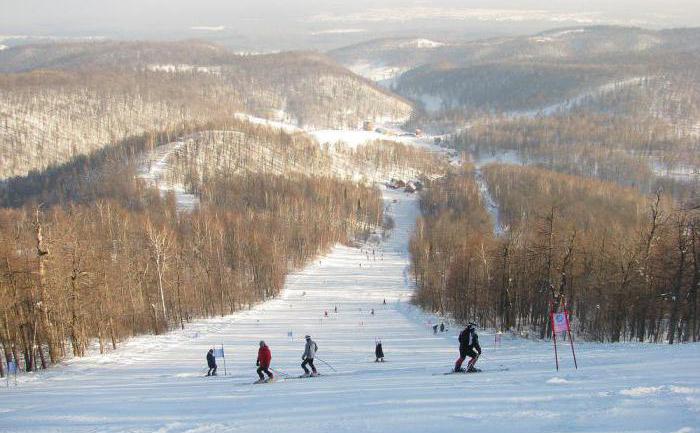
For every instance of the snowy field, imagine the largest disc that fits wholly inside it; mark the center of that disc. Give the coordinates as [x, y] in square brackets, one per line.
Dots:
[156, 384]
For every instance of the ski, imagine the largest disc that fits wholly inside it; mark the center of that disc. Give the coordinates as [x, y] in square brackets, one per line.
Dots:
[472, 372]
[303, 376]
[264, 381]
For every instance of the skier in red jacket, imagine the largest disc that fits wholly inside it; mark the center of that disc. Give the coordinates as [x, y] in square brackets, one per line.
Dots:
[263, 362]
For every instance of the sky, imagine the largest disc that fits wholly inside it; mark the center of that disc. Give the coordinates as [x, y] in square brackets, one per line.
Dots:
[284, 24]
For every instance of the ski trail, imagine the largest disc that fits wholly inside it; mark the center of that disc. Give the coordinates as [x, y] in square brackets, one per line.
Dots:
[570, 103]
[154, 170]
[155, 383]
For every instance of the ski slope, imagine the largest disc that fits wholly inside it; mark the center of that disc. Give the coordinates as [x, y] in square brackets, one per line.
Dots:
[155, 383]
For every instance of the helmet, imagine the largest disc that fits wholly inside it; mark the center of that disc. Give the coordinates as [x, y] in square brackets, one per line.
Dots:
[308, 337]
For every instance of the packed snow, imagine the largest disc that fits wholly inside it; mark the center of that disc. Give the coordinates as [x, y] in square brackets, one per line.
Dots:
[156, 383]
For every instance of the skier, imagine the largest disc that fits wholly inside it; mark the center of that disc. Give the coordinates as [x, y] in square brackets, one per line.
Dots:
[308, 357]
[379, 352]
[263, 363]
[435, 328]
[468, 346]
[336, 308]
[442, 327]
[372, 312]
[211, 362]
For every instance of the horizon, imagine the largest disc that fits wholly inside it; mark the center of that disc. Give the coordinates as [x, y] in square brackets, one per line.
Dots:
[300, 25]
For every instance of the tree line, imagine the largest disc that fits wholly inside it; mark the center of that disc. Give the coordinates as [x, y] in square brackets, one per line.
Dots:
[110, 270]
[628, 151]
[628, 265]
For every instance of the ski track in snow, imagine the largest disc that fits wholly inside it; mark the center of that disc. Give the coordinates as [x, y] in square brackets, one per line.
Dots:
[155, 383]
[154, 169]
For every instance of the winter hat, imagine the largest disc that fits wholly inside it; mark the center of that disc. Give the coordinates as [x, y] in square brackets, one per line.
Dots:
[262, 343]
[307, 337]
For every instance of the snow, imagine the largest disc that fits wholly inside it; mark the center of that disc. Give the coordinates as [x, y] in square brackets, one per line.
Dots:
[489, 203]
[172, 68]
[3, 47]
[431, 103]
[421, 43]
[153, 383]
[680, 172]
[208, 28]
[377, 71]
[284, 126]
[573, 102]
[154, 169]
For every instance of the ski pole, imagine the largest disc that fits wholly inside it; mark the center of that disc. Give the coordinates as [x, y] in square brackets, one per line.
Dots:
[331, 367]
[280, 372]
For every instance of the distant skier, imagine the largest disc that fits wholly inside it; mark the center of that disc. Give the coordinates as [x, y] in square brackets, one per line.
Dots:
[468, 346]
[336, 308]
[308, 357]
[442, 327]
[211, 362]
[263, 363]
[372, 312]
[379, 352]
[435, 328]
[384, 302]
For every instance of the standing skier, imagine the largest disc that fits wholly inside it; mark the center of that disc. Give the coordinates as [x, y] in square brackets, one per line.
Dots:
[263, 362]
[308, 357]
[379, 352]
[468, 346]
[211, 362]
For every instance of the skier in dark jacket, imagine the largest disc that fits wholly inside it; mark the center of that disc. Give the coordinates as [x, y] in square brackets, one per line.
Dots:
[263, 362]
[379, 352]
[468, 346]
[211, 362]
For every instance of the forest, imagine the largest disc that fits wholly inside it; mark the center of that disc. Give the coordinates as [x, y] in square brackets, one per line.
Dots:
[110, 269]
[643, 153]
[627, 265]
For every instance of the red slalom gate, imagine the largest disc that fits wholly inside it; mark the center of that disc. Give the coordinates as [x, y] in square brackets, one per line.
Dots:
[560, 323]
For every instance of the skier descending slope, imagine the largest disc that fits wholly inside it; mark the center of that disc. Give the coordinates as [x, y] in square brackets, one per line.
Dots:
[211, 363]
[263, 363]
[468, 346]
[379, 351]
[308, 357]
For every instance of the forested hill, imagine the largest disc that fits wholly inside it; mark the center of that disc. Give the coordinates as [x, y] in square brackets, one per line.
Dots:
[60, 101]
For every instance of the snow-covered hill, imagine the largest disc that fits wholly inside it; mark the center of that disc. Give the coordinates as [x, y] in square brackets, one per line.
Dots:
[155, 384]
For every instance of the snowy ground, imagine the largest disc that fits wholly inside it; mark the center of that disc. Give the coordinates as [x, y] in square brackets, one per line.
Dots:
[154, 384]
[154, 169]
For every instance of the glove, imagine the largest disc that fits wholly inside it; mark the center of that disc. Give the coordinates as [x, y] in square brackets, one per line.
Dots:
[303, 358]
[257, 363]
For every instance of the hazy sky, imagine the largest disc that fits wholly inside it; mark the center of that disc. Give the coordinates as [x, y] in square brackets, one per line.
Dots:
[308, 22]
